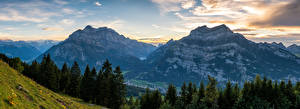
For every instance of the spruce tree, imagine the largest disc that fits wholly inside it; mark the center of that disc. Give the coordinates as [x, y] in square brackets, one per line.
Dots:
[120, 88]
[228, 97]
[65, 78]
[190, 92]
[86, 85]
[171, 95]
[74, 89]
[183, 94]
[49, 74]
[211, 93]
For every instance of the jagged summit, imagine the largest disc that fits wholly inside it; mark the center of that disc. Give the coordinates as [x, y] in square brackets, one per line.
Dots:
[205, 30]
[90, 28]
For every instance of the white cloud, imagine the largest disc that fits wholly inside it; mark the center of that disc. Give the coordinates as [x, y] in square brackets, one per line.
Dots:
[67, 11]
[188, 4]
[98, 4]
[67, 22]
[61, 2]
[155, 26]
[13, 15]
[169, 5]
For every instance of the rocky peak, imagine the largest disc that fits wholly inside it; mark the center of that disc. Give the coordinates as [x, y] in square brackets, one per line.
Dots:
[91, 33]
[205, 30]
[279, 45]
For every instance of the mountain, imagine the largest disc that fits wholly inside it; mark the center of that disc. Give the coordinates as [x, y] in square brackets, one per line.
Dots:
[220, 53]
[94, 45]
[20, 92]
[294, 49]
[42, 45]
[26, 50]
[17, 49]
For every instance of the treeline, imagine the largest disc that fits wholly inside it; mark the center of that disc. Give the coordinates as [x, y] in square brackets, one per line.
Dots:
[258, 94]
[105, 87]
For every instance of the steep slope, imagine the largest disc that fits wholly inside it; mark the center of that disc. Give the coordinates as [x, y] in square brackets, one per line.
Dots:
[94, 45]
[294, 49]
[20, 92]
[220, 53]
[18, 49]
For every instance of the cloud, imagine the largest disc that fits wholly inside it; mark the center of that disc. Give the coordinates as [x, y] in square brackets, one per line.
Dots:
[243, 30]
[172, 5]
[61, 2]
[67, 11]
[285, 15]
[67, 22]
[155, 26]
[98, 4]
[14, 15]
[53, 29]
[188, 4]
[288, 39]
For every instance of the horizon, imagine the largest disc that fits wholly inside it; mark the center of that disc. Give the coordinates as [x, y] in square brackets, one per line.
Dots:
[161, 20]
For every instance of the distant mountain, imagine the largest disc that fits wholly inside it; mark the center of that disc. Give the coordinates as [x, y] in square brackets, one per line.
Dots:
[26, 50]
[94, 45]
[220, 53]
[42, 45]
[294, 49]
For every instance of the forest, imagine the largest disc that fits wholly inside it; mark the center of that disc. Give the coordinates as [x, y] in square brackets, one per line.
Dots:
[106, 87]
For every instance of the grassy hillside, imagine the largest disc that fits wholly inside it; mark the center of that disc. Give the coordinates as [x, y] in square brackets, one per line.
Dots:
[20, 92]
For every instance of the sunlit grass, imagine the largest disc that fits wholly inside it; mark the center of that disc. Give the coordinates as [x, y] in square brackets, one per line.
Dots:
[20, 92]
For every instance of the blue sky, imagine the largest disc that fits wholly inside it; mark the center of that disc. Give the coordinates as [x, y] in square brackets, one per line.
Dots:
[164, 19]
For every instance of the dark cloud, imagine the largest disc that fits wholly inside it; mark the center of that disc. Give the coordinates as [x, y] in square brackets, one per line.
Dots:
[287, 15]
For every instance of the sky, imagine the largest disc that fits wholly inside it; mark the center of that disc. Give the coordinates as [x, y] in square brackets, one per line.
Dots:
[150, 20]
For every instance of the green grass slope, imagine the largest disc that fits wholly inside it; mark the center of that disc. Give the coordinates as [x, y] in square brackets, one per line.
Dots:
[20, 92]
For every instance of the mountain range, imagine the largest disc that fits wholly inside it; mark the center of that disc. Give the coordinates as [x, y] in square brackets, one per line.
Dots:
[93, 46]
[222, 54]
[26, 50]
[217, 51]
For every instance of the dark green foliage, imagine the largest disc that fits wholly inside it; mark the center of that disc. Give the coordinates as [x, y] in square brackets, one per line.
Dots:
[74, 87]
[183, 94]
[65, 80]
[151, 100]
[49, 74]
[211, 93]
[190, 92]
[110, 87]
[171, 95]
[106, 88]
[87, 84]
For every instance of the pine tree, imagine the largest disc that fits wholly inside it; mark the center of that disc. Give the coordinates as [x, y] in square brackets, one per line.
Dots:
[35, 70]
[211, 93]
[49, 74]
[201, 92]
[86, 85]
[65, 78]
[74, 88]
[228, 97]
[190, 92]
[183, 94]
[171, 95]
[100, 86]
[146, 100]
[120, 89]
